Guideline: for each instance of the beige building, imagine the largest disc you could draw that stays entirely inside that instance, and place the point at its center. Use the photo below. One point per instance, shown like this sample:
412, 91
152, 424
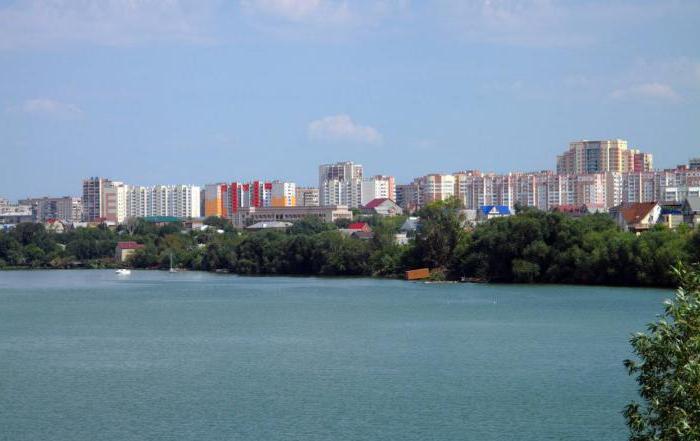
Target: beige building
251, 215
586, 157
437, 187
307, 197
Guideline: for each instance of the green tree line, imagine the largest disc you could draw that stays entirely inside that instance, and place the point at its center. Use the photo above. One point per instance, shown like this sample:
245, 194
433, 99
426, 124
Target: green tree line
529, 247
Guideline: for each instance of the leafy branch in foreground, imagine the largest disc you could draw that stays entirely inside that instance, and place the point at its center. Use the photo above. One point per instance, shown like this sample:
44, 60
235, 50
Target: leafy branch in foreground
668, 370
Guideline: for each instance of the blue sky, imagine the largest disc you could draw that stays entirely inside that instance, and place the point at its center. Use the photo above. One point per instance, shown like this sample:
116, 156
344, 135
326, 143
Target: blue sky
168, 91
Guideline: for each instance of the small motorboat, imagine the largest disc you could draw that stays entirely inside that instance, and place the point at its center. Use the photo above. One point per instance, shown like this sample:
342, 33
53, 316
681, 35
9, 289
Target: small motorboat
123, 272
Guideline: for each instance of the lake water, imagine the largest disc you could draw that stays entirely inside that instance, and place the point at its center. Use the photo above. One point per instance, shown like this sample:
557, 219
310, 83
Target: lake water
89, 355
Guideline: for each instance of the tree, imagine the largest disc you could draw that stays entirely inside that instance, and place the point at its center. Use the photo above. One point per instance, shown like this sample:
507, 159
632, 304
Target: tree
668, 370
310, 225
439, 232
131, 224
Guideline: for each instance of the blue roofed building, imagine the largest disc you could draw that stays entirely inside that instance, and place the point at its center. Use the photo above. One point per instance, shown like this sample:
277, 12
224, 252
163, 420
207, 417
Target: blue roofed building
487, 212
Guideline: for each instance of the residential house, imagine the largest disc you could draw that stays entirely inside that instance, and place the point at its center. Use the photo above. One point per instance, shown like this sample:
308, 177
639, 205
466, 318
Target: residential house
410, 226
401, 238
636, 217
360, 226
360, 230
55, 226
487, 212
691, 210
671, 214
126, 249
360, 234
382, 207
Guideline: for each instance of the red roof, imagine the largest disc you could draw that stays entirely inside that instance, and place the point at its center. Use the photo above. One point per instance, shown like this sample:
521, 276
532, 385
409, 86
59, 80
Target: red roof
375, 202
633, 213
129, 245
358, 226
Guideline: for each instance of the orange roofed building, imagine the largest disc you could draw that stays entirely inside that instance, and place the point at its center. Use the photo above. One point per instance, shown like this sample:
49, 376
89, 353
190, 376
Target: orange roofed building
636, 217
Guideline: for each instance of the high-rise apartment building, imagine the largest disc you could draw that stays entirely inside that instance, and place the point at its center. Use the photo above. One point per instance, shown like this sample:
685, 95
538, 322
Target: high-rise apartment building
224, 200
104, 200
586, 157
437, 187
181, 201
113, 208
378, 186
340, 184
214, 199
92, 198
475, 189
694, 164
410, 196
67, 208
283, 194
113, 201
307, 197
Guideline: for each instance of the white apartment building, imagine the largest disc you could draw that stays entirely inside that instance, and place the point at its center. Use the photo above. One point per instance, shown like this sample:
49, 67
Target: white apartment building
182, 201
378, 187
340, 184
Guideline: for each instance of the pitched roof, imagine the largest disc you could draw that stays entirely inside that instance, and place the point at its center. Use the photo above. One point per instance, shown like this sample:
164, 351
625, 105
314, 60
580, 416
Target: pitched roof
376, 202
269, 225
357, 225
633, 213
500, 209
161, 219
693, 203
362, 235
129, 245
411, 224
568, 208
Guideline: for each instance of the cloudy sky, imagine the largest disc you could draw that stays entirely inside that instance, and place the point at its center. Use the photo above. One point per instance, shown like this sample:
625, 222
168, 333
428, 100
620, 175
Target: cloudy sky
179, 91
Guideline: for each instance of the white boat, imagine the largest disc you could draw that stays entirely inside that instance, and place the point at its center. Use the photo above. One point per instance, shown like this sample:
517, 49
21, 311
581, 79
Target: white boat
123, 272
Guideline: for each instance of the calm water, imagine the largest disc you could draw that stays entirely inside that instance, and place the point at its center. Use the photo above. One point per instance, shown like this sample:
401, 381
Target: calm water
87, 355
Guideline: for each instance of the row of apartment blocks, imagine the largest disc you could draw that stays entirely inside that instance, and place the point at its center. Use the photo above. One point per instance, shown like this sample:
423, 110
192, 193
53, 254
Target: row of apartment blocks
598, 174
115, 201
340, 184
546, 190
226, 199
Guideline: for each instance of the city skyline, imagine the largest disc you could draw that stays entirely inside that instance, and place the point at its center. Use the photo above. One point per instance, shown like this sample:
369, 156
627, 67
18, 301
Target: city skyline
189, 92
631, 165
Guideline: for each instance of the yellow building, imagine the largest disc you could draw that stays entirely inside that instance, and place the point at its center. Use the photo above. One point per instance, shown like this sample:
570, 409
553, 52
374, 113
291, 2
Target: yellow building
213, 200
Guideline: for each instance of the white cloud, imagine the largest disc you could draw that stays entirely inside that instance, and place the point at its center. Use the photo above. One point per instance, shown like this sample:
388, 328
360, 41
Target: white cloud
647, 91
294, 10
47, 107
545, 23
42, 23
304, 17
343, 128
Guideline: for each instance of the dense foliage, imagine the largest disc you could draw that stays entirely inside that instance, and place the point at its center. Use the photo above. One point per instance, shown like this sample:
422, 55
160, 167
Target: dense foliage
668, 370
531, 247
